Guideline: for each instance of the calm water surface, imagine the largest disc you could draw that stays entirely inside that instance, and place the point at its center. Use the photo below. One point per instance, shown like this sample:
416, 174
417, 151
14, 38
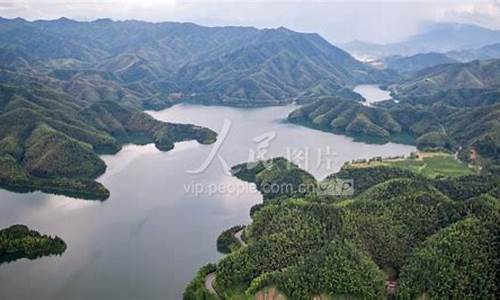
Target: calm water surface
372, 93
149, 238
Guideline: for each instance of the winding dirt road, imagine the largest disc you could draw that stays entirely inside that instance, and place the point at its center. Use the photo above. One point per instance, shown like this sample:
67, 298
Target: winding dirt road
209, 283
238, 234
210, 278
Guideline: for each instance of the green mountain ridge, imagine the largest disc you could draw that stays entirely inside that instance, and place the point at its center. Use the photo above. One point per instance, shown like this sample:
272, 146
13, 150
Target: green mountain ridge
453, 107
283, 65
50, 141
417, 62
472, 75
72, 90
163, 63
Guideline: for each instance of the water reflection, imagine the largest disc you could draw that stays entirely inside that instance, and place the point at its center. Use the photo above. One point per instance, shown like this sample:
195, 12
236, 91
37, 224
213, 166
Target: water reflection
149, 238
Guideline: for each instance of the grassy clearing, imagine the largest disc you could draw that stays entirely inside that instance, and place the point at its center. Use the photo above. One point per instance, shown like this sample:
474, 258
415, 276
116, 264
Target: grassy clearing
429, 164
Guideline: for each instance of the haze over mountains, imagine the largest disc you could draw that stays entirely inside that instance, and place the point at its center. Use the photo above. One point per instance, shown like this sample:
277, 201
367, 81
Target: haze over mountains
486, 52
417, 62
435, 37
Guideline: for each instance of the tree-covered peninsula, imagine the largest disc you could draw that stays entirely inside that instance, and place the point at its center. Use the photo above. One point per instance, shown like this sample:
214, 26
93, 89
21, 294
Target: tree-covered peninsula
403, 233
50, 141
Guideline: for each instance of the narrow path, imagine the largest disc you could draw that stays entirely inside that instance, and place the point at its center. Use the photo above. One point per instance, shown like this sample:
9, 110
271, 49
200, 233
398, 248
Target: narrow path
238, 234
209, 283
443, 129
210, 278
456, 153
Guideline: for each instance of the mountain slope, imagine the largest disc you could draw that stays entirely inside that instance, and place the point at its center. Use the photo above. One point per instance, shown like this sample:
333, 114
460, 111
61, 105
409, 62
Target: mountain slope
483, 53
472, 75
50, 140
454, 107
417, 62
72, 90
459, 254
277, 66
160, 64
388, 240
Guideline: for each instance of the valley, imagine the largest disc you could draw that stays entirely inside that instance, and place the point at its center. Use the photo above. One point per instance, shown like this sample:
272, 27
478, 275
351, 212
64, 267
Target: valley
144, 221
238, 162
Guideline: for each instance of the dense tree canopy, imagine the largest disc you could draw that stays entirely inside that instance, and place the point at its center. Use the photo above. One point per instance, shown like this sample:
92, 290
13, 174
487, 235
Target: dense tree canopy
400, 226
18, 241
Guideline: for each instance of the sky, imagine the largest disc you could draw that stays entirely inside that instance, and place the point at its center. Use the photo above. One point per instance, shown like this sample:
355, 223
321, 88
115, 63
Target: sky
337, 20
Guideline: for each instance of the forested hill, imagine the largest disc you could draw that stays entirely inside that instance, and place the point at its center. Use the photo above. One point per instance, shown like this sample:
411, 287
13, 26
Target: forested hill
487, 52
162, 63
51, 135
454, 107
72, 90
473, 75
276, 65
401, 235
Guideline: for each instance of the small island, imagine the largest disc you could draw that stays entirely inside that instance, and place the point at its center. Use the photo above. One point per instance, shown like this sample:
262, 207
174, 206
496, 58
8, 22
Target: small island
18, 241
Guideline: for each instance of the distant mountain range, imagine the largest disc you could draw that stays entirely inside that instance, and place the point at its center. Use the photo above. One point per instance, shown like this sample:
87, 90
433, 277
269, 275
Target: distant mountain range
413, 63
406, 64
435, 37
487, 52
158, 64
472, 75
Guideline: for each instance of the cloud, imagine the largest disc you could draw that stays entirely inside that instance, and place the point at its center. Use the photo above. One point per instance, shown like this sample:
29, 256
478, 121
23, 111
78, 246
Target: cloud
485, 13
337, 20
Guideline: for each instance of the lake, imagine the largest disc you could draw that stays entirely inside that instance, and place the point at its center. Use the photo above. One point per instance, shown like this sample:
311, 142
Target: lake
149, 238
372, 93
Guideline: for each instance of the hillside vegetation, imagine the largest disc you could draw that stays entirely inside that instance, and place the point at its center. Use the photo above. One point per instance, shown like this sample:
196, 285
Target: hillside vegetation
50, 141
417, 62
342, 116
486, 52
276, 177
452, 107
448, 261
429, 164
473, 75
71, 90
432, 237
155, 65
